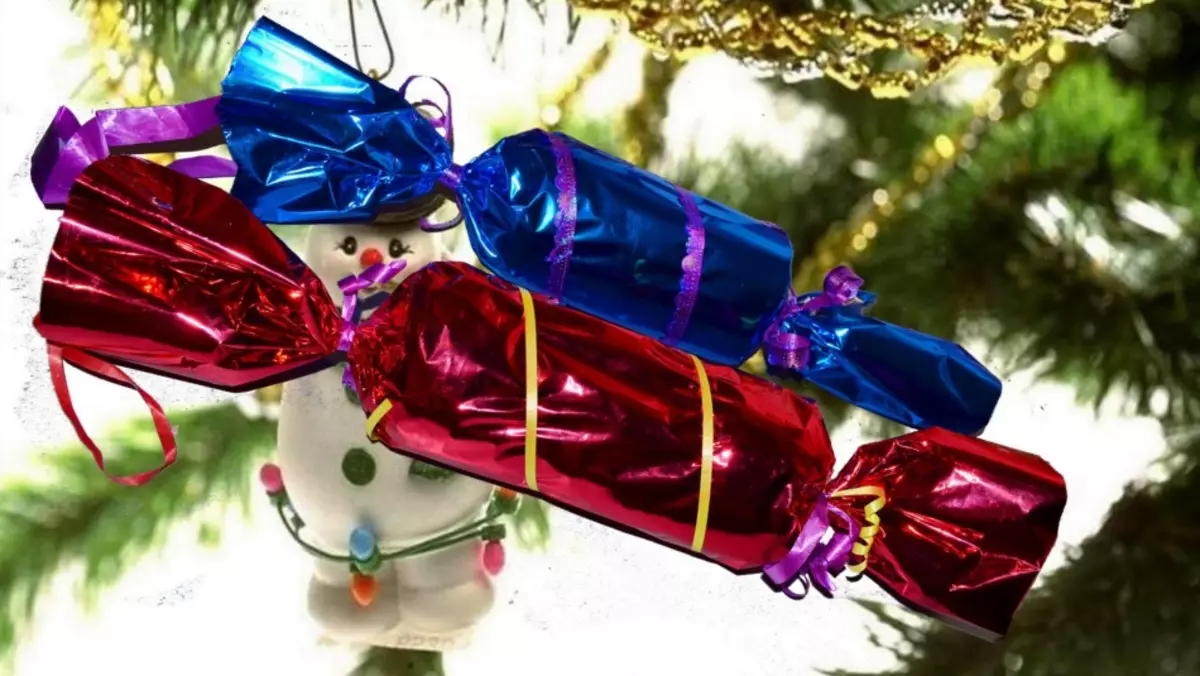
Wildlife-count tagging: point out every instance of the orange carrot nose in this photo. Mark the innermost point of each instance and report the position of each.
(370, 257)
(362, 589)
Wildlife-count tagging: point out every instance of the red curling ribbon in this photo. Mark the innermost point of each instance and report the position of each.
(103, 369)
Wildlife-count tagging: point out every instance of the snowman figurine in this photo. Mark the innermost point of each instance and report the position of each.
(403, 550)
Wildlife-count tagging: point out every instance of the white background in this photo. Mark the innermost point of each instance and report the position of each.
(598, 602)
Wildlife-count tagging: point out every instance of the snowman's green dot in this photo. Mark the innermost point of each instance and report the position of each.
(358, 467)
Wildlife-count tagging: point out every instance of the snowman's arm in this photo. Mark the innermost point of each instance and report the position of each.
(442, 568)
(446, 590)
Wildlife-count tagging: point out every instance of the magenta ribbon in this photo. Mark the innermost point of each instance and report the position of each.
(377, 274)
(693, 266)
(68, 147)
(790, 350)
(565, 218)
(811, 562)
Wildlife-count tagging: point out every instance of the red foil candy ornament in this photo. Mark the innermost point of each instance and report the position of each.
(168, 269)
(467, 371)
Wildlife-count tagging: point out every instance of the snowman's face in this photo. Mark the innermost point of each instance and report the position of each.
(338, 251)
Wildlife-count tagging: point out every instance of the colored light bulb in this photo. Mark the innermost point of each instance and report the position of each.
(363, 589)
(493, 558)
(271, 478)
(362, 543)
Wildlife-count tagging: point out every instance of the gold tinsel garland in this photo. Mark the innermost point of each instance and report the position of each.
(845, 46)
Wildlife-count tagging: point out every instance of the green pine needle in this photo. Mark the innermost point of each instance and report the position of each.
(76, 515)
(193, 39)
(531, 523)
(396, 662)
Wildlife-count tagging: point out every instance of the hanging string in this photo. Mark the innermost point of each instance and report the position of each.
(387, 40)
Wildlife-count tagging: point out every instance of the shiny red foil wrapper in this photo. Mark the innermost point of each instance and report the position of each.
(967, 526)
(619, 415)
(165, 272)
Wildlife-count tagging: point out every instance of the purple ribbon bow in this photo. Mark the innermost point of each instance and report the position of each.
(444, 121)
(69, 147)
(377, 274)
(812, 562)
(790, 350)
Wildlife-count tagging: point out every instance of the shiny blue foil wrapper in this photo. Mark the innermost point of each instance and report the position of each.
(630, 237)
(318, 142)
(911, 377)
(315, 140)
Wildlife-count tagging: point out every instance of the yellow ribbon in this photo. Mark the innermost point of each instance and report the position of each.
(376, 416)
(531, 390)
(706, 456)
(866, 535)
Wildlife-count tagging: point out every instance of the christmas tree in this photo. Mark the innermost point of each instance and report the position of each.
(1053, 221)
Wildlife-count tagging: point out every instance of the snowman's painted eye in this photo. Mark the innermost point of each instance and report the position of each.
(348, 246)
(358, 467)
(428, 471)
(397, 248)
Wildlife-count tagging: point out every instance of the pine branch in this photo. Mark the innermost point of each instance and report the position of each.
(1032, 284)
(76, 515)
(531, 523)
(193, 40)
(396, 662)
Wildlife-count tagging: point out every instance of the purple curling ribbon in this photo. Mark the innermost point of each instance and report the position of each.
(376, 275)
(565, 218)
(69, 147)
(444, 122)
(812, 562)
(693, 264)
(445, 118)
(790, 350)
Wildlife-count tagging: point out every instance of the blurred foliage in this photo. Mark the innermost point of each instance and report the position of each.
(73, 515)
(149, 52)
(393, 662)
(186, 31)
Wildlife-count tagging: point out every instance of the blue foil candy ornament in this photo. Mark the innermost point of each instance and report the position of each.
(316, 141)
(910, 377)
(556, 216)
